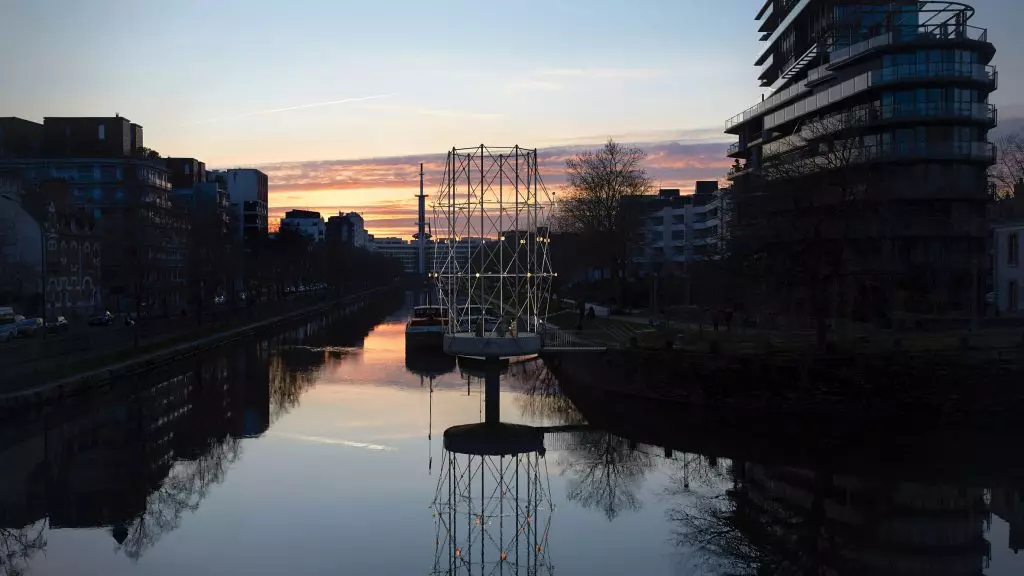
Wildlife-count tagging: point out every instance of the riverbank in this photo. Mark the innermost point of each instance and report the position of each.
(640, 332)
(723, 390)
(62, 379)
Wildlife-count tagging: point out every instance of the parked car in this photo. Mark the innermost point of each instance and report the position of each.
(28, 327)
(58, 325)
(102, 319)
(8, 325)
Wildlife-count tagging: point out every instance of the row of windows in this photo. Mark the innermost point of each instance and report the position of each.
(919, 136)
(932, 95)
(922, 58)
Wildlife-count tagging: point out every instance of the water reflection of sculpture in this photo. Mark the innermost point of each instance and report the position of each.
(492, 507)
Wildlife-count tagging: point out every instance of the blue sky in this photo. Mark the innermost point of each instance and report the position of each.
(203, 76)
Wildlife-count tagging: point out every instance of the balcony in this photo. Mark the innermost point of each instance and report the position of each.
(743, 171)
(967, 151)
(736, 150)
(937, 70)
(925, 33)
(881, 77)
(767, 104)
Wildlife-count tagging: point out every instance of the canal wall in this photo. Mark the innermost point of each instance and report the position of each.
(56, 383)
(723, 389)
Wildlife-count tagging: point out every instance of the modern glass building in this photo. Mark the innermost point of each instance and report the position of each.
(873, 138)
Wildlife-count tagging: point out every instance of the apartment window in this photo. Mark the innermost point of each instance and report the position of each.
(1012, 249)
(102, 132)
(1011, 293)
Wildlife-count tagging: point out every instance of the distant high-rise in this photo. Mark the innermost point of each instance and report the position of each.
(874, 139)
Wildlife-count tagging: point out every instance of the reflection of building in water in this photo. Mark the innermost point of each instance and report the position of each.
(845, 524)
(1008, 504)
(100, 461)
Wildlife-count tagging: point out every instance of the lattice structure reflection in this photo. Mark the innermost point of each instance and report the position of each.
(491, 226)
(492, 515)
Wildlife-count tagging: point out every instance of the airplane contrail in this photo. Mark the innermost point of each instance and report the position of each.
(300, 107)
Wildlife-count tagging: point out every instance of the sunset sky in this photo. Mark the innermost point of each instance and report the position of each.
(338, 101)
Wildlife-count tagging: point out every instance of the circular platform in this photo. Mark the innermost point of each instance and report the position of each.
(492, 346)
(493, 439)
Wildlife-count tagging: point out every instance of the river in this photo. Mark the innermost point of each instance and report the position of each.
(320, 450)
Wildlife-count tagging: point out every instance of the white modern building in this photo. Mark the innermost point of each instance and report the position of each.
(679, 228)
(306, 222)
(1007, 273)
(248, 191)
(399, 249)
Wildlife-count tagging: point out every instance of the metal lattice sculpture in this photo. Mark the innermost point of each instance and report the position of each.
(492, 266)
(492, 515)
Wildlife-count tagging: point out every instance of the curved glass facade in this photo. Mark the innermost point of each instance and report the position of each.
(895, 106)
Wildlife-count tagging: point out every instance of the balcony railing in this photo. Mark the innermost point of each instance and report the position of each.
(904, 72)
(887, 75)
(769, 103)
(928, 32)
(947, 30)
(973, 151)
(734, 148)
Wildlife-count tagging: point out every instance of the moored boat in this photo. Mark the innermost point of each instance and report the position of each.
(426, 327)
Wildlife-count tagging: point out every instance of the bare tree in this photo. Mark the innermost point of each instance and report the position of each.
(186, 485)
(606, 472)
(1009, 167)
(592, 205)
(542, 398)
(812, 199)
(17, 546)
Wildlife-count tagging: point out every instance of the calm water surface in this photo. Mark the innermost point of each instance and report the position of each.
(321, 451)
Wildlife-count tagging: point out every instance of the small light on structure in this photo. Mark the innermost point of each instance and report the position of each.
(528, 274)
(539, 548)
(477, 274)
(458, 552)
(478, 520)
(522, 241)
(502, 238)
(504, 556)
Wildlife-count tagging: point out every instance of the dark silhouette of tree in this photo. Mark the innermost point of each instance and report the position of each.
(17, 546)
(1009, 167)
(595, 203)
(745, 530)
(186, 485)
(605, 473)
(803, 213)
(541, 398)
